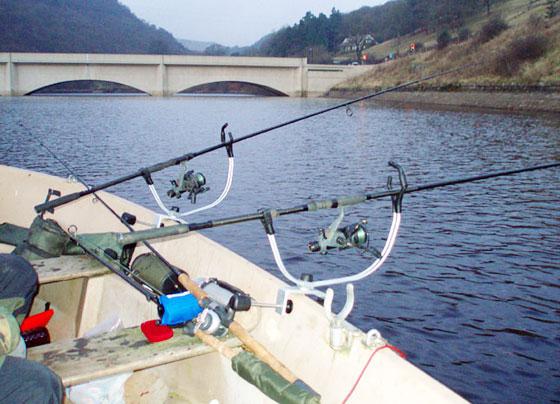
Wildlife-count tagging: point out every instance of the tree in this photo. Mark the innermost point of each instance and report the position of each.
(551, 8)
(359, 42)
(487, 4)
(417, 14)
(443, 39)
(464, 34)
(387, 21)
(334, 29)
(216, 50)
(77, 26)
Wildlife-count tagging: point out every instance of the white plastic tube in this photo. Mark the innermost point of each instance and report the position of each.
(169, 214)
(395, 224)
(229, 181)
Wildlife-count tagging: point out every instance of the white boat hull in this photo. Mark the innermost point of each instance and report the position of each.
(299, 339)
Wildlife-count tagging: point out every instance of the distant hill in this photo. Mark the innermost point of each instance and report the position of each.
(78, 26)
(195, 46)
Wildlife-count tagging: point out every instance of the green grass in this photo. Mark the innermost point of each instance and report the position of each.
(514, 12)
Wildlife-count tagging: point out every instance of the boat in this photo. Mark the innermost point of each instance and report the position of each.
(334, 359)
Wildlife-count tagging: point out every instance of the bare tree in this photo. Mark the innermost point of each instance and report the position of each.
(487, 4)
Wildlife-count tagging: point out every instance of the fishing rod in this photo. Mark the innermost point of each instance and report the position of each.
(147, 171)
(127, 221)
(199, 308)
(334, 237)
(396, 194)
(178, 310)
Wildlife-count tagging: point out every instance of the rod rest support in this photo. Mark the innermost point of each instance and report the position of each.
(348, 305)
(397, 198)
(340, 337)
(147, 176)
(267, 216)
(229, 144)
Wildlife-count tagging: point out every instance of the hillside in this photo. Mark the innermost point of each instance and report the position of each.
(321, 36)
(77, 26)
(195, 46)
(516, 48)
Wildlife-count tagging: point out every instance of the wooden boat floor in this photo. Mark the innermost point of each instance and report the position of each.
(84, 359)
(67, 267)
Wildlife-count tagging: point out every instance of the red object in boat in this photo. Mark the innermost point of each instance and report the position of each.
(37, 321)
(155, 332)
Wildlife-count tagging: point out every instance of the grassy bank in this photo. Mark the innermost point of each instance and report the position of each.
(523, 56)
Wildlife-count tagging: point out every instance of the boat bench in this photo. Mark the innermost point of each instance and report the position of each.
(82, 360)
(67, 267)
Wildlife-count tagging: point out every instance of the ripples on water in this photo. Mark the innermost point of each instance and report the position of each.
(471, 291)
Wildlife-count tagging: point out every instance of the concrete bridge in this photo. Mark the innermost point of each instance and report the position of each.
(165, 75)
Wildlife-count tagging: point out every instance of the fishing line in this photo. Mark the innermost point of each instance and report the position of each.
(386, 346)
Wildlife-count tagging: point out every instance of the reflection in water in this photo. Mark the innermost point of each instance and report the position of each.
(471, 289)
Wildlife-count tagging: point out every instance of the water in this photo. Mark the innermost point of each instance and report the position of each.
(471, 290)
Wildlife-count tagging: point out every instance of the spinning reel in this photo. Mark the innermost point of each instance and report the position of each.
(193, 184)
(211, 315)
(188, 181)
(337, 237)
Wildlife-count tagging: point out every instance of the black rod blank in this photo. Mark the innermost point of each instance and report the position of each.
(130, 238)
(50, 205)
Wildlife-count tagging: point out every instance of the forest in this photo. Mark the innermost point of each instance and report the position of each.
(384, 22)
(78, 26)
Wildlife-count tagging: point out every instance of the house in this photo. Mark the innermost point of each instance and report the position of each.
(351, 43)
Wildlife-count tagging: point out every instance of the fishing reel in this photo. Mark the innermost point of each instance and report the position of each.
(219, 308)
(337, 237)
(354, 235)
(214, 320)
(227, 295)
(191, 182)
(212, 315)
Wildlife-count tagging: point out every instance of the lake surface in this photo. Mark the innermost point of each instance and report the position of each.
(471, 291)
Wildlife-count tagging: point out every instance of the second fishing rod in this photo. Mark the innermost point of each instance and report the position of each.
(335, 236)
(264, 215)
(147, 171)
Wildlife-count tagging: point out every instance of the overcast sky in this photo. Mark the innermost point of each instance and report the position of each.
(233, 22)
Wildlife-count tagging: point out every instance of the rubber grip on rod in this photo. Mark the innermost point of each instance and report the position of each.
(58, 201)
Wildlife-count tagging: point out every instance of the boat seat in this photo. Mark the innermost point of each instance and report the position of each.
(82, 360)
(67, 267)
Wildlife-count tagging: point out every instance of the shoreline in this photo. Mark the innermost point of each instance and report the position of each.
(531, 101)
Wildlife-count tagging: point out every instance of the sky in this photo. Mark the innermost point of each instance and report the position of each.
(233, 22)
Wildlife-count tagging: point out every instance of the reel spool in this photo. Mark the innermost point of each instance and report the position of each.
(191, 182)
(354, 235)
(341, 237)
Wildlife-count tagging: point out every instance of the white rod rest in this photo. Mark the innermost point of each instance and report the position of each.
(169, 214)
(222, 196)
(395, 224)
(329, 295)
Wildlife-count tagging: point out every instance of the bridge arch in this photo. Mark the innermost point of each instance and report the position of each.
(87, 87)
(233, 87)
(30, 76)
